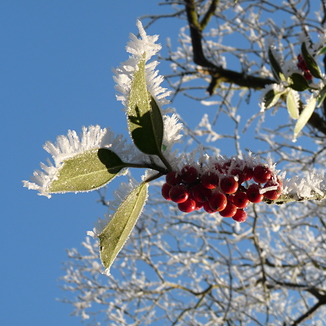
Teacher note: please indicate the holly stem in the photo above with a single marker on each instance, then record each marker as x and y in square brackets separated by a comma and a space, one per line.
[152, 166]
[165, 161]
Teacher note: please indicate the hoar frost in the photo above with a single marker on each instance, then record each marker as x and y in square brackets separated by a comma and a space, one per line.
[66, 147]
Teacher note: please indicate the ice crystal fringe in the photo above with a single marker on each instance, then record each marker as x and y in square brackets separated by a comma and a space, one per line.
[289, 67]
[69, 146]
[305, 187]
[296, 96]
[147, 46]
[172, 135]
[124, 74]
[278, 88]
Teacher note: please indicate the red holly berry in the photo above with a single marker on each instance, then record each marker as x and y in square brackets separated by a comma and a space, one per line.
[253, 193]
[187, 206]
[200, 193]
[192, 191]
[217, 201]
[262, 174]
[173, 178]
[208, 208]
[166, 191]
[240, 215]
[229, 210]
[179, 193]
[302, 64]
[273, 194]
[308, 76]
[247, 174]
[236, 171]
[198, 205]
[240, 199]
[229, 185]
[189, 174]
[209, 180]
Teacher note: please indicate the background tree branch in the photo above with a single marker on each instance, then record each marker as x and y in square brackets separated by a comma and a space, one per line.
[192, 269]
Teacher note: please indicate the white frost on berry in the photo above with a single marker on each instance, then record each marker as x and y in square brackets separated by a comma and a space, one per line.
[147, 46]
[69, 146]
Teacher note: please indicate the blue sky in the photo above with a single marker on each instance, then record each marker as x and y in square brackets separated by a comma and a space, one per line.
[56, 61]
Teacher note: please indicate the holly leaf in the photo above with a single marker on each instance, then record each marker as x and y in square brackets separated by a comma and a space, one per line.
[305, 116]
[271, 97]
[298, 82]
[321, 96]
[83, 172]
[145, 121]
[276, 68]
[292, 104]
[111, 160]
[116, 233]
[310, 62]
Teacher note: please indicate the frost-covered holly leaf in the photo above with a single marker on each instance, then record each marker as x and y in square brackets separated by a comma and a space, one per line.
[116, 233]
[144, 116]
[82, 172]
[272, 96]
[77, 166]
[310, 62]
[292, 103]
[298, 82]
[305, 116]
[276, 68]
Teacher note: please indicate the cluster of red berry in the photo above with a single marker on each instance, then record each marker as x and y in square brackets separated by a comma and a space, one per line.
[303, 66]
[220, 189]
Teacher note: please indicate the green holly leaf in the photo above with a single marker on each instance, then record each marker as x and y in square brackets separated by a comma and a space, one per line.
[298, 82]
[271, 97]
[305, 116]
[292, 104]
[83, 172]
[116, 233]
[145, 121]
[310, 62]
[276, 68]
[322, 51]
[321, 96]
[111, 160]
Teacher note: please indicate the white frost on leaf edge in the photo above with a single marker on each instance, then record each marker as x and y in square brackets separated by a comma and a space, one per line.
[146, 45]
[124, 74]
[279, 90]
[69, 146]
[172, 135]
